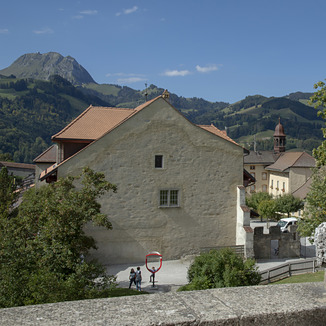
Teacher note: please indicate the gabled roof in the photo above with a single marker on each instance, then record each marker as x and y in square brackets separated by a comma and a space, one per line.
[15, 165]
[261, 157]
[95, 122]
[292, 160]
[48, 156]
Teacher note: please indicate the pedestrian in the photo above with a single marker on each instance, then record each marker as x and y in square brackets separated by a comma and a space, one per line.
[138, 279]
[152, 277]
[132, 277]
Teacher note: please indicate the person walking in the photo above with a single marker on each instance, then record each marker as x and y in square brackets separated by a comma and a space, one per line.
[132, 277]
[138, 279]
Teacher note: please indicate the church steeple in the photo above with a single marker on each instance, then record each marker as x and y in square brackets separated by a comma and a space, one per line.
[279, 138]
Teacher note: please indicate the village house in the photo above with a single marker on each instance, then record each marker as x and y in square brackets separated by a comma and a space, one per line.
[176, 190]
[279, 172]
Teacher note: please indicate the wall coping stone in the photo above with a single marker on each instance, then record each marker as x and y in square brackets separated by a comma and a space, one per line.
[282, 304]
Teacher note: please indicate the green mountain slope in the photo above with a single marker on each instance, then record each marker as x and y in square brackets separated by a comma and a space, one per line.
[35, 107]
[31, 111]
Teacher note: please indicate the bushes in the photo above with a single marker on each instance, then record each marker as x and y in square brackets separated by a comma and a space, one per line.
[222, 268]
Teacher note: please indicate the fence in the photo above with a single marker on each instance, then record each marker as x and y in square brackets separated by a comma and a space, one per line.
[286, 270]
[237, 249]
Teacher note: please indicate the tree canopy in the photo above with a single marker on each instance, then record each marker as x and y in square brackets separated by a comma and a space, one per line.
[221, 268]
[315, 211]
[43, 250]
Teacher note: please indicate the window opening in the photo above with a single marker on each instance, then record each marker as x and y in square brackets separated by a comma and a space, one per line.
[169, 198]
[158, 161]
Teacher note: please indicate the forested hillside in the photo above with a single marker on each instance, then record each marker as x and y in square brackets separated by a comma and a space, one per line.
[31, 111]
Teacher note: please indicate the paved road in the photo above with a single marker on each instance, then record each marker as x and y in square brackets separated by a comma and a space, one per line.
[173, 273]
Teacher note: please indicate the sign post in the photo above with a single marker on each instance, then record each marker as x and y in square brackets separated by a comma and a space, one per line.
[153, 270]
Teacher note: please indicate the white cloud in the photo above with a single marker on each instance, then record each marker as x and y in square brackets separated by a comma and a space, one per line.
[45, 30]
[206, 69]
[130, 11]
[78, 17]
[127, 11]
[4, 31]
[130, 80]
[89, 12]
[127, 78]
[174, 73]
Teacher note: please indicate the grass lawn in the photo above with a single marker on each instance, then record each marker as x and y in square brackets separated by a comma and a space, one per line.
[302, 278]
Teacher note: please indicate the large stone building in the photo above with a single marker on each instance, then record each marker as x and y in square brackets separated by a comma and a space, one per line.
[279, 172]
[176, 190]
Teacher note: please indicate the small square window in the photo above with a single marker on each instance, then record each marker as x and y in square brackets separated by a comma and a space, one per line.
[264, 176]
[252, 167]
[158, 161]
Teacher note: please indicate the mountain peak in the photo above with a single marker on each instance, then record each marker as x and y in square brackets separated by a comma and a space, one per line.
[42, 66]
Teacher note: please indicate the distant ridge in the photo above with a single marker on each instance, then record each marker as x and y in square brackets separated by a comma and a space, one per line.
[42, 66]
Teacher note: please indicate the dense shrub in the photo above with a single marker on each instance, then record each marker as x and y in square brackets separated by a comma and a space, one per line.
[221, 268]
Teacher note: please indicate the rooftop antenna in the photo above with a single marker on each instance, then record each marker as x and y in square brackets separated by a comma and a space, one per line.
[146, 93]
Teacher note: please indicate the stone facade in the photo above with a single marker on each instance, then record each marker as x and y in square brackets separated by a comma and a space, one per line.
[196, 164]
[276, 244]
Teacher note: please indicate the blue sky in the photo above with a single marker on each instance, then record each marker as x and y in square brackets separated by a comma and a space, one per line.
[211, 49]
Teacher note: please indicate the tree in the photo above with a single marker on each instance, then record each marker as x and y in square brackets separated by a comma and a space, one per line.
[221, 268]
[267, 209]
[8, 196]
[319, 102]
[315, 210]
[288, 203]
[256, 198]
[42, 249]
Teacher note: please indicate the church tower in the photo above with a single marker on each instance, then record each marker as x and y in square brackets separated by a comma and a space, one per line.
[279, 138]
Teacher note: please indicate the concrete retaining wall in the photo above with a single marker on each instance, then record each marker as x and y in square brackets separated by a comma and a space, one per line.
[287, 304]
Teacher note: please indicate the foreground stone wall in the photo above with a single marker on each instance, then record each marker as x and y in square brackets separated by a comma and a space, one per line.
[286, 304]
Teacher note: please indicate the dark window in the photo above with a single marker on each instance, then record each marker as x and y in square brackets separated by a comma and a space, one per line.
[158, 161]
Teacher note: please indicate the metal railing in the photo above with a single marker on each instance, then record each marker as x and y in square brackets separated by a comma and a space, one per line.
[288, 269]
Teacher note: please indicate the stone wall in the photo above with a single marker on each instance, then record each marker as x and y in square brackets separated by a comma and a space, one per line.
[270, 305]
[288, 244]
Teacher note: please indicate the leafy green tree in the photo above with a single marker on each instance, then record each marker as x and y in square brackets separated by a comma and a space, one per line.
[221, 268]
[267, 209]
[8, 196]
[288, 204]
[256, 198]
[319, 101]
[43, 251]
[315, 208]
